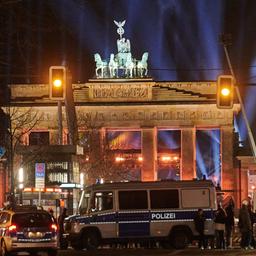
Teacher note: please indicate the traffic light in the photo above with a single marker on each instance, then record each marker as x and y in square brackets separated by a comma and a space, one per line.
[225, 91]
[57, 81]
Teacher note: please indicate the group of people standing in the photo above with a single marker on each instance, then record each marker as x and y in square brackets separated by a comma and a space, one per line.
[224, 222]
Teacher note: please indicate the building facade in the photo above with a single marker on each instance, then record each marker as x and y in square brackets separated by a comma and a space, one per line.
[146, 130]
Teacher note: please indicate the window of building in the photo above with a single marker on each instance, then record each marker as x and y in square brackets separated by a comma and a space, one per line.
[124, 147]
[126, 140]
[57, 173]
[133, 199]
[39, 138]
[168, 154]
[164, 199]
[208, 155]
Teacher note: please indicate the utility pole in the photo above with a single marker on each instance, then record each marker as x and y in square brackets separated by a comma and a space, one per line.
[60, 126]
[71, 111]
[226, 39]
[11, 196]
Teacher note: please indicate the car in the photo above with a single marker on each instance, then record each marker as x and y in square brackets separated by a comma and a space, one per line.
[27, 229]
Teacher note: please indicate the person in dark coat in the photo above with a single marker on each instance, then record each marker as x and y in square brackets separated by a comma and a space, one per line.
[199, 222]
[51, 212]
[252, 217]
[61, 219]
[245, 225]
[230, 222]
[220, 220]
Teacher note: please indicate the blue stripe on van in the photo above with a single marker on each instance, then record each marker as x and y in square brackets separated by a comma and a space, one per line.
[178, 215]
[108, 217]
[144, 216]
[134, 229]
[133, 216]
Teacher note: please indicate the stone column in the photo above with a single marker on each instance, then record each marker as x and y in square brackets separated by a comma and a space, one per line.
[149, 153]
[228, 176]
[187, 168]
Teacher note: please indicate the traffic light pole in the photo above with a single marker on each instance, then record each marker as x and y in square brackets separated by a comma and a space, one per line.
[251, 138]
[60, 127]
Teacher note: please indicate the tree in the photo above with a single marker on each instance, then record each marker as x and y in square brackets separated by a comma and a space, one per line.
[99, 160]
[21, 122]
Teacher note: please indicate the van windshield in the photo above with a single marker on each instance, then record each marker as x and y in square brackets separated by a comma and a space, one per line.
[84, 202]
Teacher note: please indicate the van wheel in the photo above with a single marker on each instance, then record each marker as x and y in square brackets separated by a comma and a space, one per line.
[179, 240]
[91, 240]
[4, 251]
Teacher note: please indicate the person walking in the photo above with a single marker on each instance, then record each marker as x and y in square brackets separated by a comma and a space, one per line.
[51, 212]
[245, 225]
[252, 218]
[230, 222]
[61, 219]
[199, 222]
[220, 220]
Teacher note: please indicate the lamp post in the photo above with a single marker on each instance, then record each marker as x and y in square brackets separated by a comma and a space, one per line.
[226, 40]
[10, 158]
[20, 183]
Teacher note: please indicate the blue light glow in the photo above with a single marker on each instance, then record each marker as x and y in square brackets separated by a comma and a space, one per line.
[177, 36]
[208, 155]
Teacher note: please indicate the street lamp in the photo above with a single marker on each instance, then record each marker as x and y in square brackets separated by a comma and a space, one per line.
[82, 180]
[21, 182]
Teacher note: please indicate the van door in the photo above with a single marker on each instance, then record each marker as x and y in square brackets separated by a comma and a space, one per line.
[103, 213]
[133, 214]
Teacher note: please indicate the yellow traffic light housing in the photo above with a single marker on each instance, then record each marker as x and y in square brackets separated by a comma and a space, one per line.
[57, 81]
[225, 91]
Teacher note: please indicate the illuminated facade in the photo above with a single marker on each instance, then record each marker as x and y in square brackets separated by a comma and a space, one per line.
[152, 130]
[134, 128]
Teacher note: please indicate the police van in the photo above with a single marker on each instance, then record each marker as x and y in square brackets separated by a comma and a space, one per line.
[162, 211]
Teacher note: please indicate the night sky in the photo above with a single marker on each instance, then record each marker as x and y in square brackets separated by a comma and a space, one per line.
[181, 36]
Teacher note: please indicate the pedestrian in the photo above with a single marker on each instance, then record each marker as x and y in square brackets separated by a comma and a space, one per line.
[220, 220]
[199, 221]
[61, 219]
[51, 212]
[252, 218]
[245, 225]
[230, 222]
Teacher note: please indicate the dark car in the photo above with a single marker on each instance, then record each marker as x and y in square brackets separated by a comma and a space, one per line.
[27, 229]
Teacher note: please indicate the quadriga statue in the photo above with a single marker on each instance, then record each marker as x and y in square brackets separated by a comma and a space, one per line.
[142, 65]
[100, 65]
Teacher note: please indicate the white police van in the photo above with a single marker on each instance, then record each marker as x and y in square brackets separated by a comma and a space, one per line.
[138, 211]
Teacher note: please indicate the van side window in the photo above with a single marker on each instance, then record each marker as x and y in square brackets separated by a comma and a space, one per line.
[102, 201]
[133, 199]
[202, 196]
[164, 199]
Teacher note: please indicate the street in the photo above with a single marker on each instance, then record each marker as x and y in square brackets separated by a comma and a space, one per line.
[153, 252]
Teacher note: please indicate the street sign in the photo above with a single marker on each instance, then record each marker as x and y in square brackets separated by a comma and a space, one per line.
[40, 175]
[2, 151]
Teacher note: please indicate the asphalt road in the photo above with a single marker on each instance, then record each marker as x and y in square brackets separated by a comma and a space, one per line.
[156, 252]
